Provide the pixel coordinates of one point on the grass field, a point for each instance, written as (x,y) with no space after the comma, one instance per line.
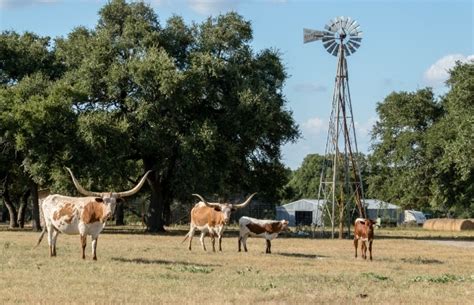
(158,269)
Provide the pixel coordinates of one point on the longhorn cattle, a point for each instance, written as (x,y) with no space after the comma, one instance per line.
(364,231)
(211,218)
(268,229)
(80,215)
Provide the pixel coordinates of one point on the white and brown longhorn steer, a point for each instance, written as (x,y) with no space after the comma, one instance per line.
(210,217)
(268,229)
(80,215)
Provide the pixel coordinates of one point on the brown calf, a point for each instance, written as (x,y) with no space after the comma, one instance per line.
(364,230)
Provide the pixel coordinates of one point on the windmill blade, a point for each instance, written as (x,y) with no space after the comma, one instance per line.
(353,44)
(353,26)
(329,43)
(358,39)
(355,30)
(333,26)
(336,51)
(346,50)
(351,48)
(312,35)
(331,47)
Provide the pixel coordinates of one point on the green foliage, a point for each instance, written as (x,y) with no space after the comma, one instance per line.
(304,182)
(423,150)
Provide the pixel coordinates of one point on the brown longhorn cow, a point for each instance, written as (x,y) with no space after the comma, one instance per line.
(209,217)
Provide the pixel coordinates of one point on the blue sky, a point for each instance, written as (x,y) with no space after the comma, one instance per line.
(407,45)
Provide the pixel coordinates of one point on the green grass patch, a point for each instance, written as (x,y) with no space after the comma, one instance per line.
(190,268)
(442,279)
(375,277)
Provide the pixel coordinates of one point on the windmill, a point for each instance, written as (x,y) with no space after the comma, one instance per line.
(340,180)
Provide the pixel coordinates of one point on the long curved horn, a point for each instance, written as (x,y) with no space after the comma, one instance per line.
(80,188)
(211,205)
(239,206)
(136,188)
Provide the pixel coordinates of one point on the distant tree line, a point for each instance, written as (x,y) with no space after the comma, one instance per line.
(422,151)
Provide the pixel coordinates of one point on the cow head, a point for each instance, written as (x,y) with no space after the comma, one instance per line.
(284,225)
(369,225)
(225,208)
(108,199)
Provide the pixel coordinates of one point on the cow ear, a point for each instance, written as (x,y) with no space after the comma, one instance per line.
(99,199)
(218,209)
(233,210)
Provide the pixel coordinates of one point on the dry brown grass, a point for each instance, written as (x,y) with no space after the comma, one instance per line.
(158,269)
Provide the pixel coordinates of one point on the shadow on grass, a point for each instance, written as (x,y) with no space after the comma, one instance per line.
(146,261)
(301,255)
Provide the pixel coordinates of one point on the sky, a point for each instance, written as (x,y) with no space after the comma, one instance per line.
(406,46)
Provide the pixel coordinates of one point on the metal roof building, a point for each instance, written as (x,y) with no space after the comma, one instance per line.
(301,212)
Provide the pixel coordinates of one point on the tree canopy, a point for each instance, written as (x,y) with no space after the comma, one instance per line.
(194,103)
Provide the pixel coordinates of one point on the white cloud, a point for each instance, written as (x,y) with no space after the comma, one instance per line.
(363,129)
(314,126)
(207,7)
(438,73)
(11,4)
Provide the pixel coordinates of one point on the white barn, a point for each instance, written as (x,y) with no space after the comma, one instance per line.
(301,212)
(381,209)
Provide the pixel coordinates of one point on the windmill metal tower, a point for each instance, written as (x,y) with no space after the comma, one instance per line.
(340,180)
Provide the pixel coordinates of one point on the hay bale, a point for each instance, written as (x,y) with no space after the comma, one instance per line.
(448,224)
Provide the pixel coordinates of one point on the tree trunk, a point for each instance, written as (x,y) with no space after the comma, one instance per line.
(119,214)
(154,214)
(22,208)
(11,210)
(35,212)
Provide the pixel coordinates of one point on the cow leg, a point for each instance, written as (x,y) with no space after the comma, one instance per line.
(269,246)
(191,235)
(364,249)
(53,241)
(50,229)
(202,241)
(213,241)
(94,247)
(220,243)
(370,249)
(244,242)
(356,244)
(83,244)
(239,241)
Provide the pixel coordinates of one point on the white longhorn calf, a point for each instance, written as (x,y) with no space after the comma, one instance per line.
(268,229)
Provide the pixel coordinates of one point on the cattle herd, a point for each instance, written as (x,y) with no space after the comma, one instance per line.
(88,215)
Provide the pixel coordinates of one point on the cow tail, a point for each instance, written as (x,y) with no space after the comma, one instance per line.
(42,222)
(41,237)
(185,237)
